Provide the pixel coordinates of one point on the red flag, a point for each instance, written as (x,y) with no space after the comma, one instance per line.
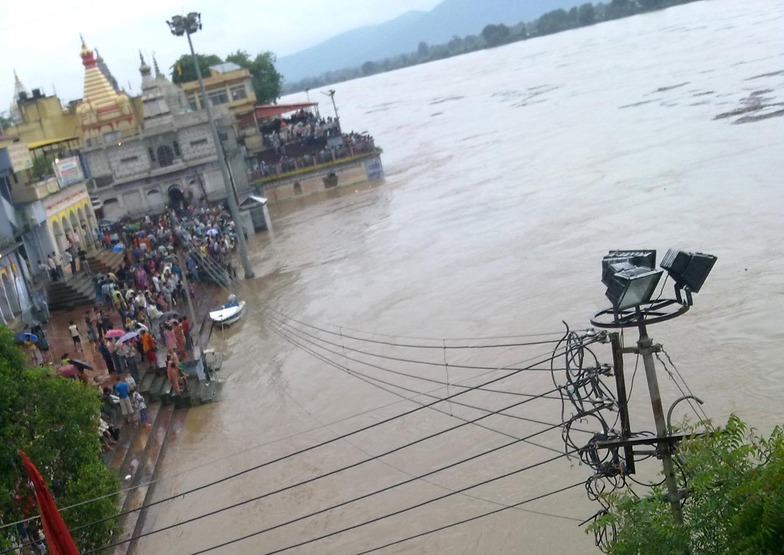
(58,538)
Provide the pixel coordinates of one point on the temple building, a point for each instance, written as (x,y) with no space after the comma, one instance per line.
(166,158)
(105,115)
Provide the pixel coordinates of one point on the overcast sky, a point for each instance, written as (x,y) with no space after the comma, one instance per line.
(41,37)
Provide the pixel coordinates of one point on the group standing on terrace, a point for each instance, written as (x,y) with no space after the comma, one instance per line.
(305,140)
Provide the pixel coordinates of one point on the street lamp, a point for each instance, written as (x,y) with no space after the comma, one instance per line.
(631,278)
(331,94)
(187,25)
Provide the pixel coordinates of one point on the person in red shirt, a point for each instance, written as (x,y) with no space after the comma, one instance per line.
(186,329)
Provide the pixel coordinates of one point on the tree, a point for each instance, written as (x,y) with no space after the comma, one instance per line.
(55,422)
(369,68)
(618,8)
(495,34)
(267,82)
(184,71)
(552,22)
(423,50)
(42,168)
(586,14)
(455,45)
(734,481)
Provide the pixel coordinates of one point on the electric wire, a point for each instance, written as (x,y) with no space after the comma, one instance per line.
(387,515)
(471,519)
(311,448)
(698,410)
(164,477)
(372,381)
(326,359)
(247,450)
(343,503)
(443,341)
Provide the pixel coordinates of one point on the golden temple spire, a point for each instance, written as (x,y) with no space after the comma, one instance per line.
(103,109)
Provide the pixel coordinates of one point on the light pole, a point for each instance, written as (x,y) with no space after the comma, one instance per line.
(187,25)
(331,94)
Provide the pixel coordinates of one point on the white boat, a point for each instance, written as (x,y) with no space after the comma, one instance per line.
(228,313)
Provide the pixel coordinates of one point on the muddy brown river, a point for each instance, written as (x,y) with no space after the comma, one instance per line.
(509,174)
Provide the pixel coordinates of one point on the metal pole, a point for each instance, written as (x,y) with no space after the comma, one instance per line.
(623,409)
(233,208)
(334,107)
(184,271)
(646,349)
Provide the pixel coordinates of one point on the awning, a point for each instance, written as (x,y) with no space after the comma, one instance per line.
(48,142)
(252,200)
(267,111)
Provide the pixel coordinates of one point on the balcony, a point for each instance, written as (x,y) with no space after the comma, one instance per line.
(31,192)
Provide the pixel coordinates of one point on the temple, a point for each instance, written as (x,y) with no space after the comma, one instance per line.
(105,115)
(152,151)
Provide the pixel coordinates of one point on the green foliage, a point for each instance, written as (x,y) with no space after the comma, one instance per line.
(495,35)
(184,69)
(266,80)
(42,167)
(586,15)
(735,501)
(55,422)
(553,22)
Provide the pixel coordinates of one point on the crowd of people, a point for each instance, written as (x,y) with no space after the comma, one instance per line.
(301,126)
(74,257)
(352,145)
(138,322)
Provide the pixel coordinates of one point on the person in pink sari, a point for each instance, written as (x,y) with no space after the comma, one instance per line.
(179,337)
(173,372)
(169,339)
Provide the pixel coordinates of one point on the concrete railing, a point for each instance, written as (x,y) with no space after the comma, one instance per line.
(23,194)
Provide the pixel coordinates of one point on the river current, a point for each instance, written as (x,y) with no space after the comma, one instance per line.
(509,174)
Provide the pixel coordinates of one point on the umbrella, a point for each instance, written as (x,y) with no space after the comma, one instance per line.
(128,336)
(80,363)
(58,538)
(111,334)
(24,336)
(118,247)
(169,315)
(68,371)
(212,231)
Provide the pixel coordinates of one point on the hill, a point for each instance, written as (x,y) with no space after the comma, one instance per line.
(404,33)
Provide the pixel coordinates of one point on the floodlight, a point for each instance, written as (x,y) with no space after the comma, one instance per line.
(617,259)
(688,269)
(632,286)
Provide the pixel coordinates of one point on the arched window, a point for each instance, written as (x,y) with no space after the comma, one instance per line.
(165,156)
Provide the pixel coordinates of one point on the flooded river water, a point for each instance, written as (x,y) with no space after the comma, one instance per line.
(509,174)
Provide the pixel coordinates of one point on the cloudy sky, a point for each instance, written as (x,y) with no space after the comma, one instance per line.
(41,38)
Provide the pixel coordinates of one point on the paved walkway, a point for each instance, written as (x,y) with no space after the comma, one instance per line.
(60,342)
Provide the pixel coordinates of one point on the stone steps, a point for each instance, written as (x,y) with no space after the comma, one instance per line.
(104,261)
(146,517)
(75,290)
(144,463)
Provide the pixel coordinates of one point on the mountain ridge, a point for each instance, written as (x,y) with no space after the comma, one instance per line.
(402,34)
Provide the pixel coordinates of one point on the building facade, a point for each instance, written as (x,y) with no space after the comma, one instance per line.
(168,159)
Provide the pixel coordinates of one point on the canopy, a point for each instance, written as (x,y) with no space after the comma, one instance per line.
(268,111)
